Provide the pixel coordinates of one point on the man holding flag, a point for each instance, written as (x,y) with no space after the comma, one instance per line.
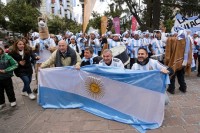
(108,60)
(64,56)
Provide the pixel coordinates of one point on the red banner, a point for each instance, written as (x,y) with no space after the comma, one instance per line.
(134,24)
(116,23)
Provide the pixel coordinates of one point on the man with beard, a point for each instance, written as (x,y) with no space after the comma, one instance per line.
(145,63)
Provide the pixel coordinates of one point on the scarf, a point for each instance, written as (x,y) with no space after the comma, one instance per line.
(144,62)
(90,60)
(182,34)
(43,43)
(159,45)
(186,52)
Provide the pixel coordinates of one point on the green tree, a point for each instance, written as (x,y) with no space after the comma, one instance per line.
(95,22)
(3,22)
(73,26)
(184,7)
(33,3)
(189,7)
(157,11)
(22,17)
(56,25)
(115,10)
(168,24)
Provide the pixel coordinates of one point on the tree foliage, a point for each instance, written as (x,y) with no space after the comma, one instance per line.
(3,22)
(73,26)
(33,3)
(157,11)
(58,25)
(22,17)
(189,7)
(95,22)
(115,11)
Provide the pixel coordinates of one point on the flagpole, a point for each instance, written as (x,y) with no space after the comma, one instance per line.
(82,4)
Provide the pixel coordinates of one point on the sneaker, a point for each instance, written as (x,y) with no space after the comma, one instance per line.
(2,106)
(24,94)
(31,96)
(12,104)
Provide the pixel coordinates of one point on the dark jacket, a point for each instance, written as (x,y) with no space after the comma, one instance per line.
(95,61)
(26,69)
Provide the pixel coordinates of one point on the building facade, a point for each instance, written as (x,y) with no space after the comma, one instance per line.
(62,8)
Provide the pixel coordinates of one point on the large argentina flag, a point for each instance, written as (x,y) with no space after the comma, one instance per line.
(132,97)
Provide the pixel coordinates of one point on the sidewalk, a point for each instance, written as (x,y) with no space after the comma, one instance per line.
(182,115)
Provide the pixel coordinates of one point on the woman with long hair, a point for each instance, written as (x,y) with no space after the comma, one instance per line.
(74,45)
(22,54)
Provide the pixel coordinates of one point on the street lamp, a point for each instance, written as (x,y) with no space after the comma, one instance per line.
(82,4)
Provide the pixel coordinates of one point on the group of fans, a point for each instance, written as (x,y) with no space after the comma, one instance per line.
(153,42)
(81,49)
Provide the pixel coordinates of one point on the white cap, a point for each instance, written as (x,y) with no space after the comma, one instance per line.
(80,34)
(69,33)
(181,34)
(197,33)
(135,33)
(173,33)
(151,34)
(95,33)
(118,35)
(157,31)
(146,32)
(125,33)
(109,33)
(35,34)
(72,37)
(59,37)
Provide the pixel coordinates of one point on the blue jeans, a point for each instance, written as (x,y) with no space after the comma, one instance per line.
(27,81)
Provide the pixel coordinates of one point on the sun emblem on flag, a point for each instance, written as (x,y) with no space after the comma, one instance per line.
(94,87)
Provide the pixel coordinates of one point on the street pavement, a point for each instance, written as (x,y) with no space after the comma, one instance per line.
(182,115)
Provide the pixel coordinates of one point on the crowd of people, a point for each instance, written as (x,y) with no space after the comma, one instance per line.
(146,51)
